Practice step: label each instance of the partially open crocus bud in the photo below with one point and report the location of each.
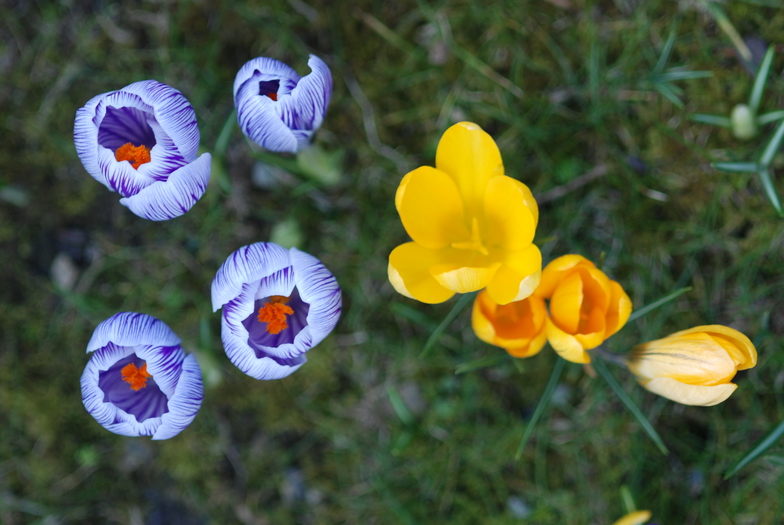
(744, 122)
(695, 366)
(518, 327)
(586, 307)
(635, 518)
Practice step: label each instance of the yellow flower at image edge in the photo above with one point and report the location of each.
(635, 518)
(695, 366)
(472, 227)
(518, 327)
(586, 307)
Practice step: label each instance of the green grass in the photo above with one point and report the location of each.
(367, 431)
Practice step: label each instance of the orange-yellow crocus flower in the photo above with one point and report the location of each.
(472, 226)
(695, 366)
(518, 327)
(586, 307)
(635, 518)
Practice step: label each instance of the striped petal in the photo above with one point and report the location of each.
(132, 329)
(259, 120)
(185, 402)
(164, 200)
(319, 288)
(249, 264)
(86, 139)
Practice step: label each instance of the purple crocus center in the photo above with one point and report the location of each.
(269, 88)
(259, 335)
(144, 403)
(125, 125)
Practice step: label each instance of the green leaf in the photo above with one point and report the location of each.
(736, 166)
(541, 405)
(453, 313)
(673, 75)
(400, 408)
(759, 82)
(757, 450)
(482, 363)
(598, 364)
(413, 315)
(770, 190)
(667, 91)
(767, 118)
(223, 138)
(665, 54)
(773, 146)
(664, 300)
(713, 120)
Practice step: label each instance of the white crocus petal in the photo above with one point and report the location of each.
(132, 329)
(312, 94)
(92, 395)
(165, 158)
(244, 357)
(185, 402)
(173, 112)
(319, 288)
(259, 120)
(164, 200)
(120, 176)
(248, 264)
(266, 69)
(86, 139)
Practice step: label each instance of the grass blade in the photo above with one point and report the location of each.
(729, 30)
(669, 93)
(399, 406)
(456, 309)
(713, 120)
(665, 54)
(736, 166)
(767, 118)
(664, 300)
(673, 75)
(225, 134)
(773, 146)
(770, 190)
(759, 82)
(758, 449)
(600, 367)
(482, 363)
(541, 405)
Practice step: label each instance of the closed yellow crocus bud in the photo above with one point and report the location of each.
(695, 366)
(517, 327)
(635, 518)
(586, 307)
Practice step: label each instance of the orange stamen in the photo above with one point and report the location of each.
(136, 155)
(273, 96)
(274, 314)
(136, 377)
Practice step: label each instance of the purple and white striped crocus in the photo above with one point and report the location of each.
(139, 382)
(142, 141)
(276, 108)
(277, 305)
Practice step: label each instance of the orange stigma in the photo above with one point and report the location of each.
(136, 155)
(274, 313)
(136, 377)
(273, 96)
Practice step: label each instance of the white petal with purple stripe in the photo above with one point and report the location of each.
(171, 393)
(248, 281)
(156, 116)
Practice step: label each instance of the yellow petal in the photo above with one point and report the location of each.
(566, 345)
(693, 358)
(591, 340)
(470, 156)
(481, 314)
(689, 394)
(566, 303)
(619, 310)
(430, 207)
(518, 276)
(463, 279)
(409, 273)
(747, 356)
(510, 214)
(634, 518)
(557, 269)
(533, 348)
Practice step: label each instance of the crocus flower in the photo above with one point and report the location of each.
(695, 366)
(635, 518)
(472, 226)
(518, 327)
(277, 305)
(276, 108)
(142, 142)
(585, 306)
(139, 382)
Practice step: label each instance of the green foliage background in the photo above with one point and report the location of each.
(367, 432)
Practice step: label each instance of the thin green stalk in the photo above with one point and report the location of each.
(543, 402)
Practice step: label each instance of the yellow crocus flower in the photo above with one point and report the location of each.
(635, 518)
(472, 226)
(695, 366)
(586, 307)
(518, 327)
